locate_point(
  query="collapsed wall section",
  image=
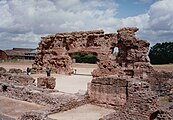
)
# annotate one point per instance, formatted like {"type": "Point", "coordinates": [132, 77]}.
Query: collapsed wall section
{"type": "Point", "coordinates": [134, 53]}
{"type": "Point", "coordinates": [132, 60]}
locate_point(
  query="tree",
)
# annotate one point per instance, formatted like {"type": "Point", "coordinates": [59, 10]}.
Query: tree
{"type": "Point", "coordinates": [84, 57]}
{"type": "Point", "coordinates": [161, 53]}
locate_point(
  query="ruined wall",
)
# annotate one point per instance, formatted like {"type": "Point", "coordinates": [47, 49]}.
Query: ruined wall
{"type": "Point", "coordinates": [141, 103]}
{"type": "Point", "coordinates": [161, 82]}
{"type": "Point", "coordinates": [54, 50]}
{"type": "Point", "coordinates": [133, 60]}
{"type": "Point", "coordinates": [134, 54]}
{"type": "Point", "coordinates": [110, 91]}
{"type": "Point", "coordinates": [16, 79]}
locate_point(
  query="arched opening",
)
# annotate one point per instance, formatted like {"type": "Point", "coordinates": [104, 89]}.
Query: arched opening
{"type": "Point", "coordinates": [84, 62]}
{"type": "Point", "coordinates": [84, 57]}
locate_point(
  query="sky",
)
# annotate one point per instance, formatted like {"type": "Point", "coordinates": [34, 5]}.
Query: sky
{"type": "Point", "coordinates": [23, 22]}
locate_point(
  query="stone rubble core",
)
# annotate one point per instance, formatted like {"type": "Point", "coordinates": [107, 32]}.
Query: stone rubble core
{"type": "Point", "coordinates": [141, 104]}
{"type": "Point", "coordinates": [46, 82]}
{"type": "Point", "coordinates": [110, 91]}
{"type": "Point", "coordinates": [54, 52]}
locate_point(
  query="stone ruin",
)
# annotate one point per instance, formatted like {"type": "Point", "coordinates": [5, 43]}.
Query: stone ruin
{"type": "Point", "coordinates": [124, 82]}
{"type": "Point", "coordinates": [54, 51]}
{"type": "Point", "coordinates": [22, 87]}
{"type": "Point", "coordinates": [119, 82]}
{"type": "Point", "coordinates": [127, 83]}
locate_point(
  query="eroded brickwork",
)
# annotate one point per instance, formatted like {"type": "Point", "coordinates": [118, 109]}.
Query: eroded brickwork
{"type": "Point", "coordinates": [110, 91]}
{"type": "Point", "coordinates": [54, 51]}
{"type": "Point", "coordinates": [46, 82]}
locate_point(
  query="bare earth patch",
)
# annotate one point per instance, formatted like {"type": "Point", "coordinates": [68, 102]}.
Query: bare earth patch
{"type": "Point", "coordinates": [14, 108]}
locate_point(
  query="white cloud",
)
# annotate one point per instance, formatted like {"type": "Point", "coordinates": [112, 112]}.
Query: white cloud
{"type": "Point", "coordinates": [140, 21]}
{"type": "Point", "coordinates": [24, 21]}
{"type": "Point", "coordinates": [160, 25]}
{"type": "Point", "coordinates": [156, 25]}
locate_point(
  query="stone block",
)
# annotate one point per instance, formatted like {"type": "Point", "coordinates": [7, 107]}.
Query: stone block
{"type": "Point", "coordinates": [108, 90]}
{"type": "Point", "coordinates": [46, 82]}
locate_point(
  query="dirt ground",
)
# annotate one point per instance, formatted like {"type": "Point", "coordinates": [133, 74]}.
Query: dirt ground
{"type": "Point", "coordinates": [14, 108]}
{"type": "Point", "coordinates": [24, 65]}
{"type": "Point", "coordinates": [85, 112]}
{"type": "Point", "coordinates": [21, 65]}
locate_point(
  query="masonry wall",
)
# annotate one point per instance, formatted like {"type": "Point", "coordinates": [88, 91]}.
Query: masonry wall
{"type": "Point", "coordinates": [110, 91]}
{"type": "Point", "coordinates": [54, 52]}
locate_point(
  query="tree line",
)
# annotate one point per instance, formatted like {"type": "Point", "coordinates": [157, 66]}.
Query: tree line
{"type": "Point", "coordinates": [161, 53]}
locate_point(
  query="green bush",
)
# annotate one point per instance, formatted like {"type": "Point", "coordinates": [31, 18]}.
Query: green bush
{"type": "Point", "coordinates": [85, 58]}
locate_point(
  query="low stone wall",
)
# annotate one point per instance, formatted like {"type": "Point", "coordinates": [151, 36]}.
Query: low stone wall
{"type": "Point", "coordinates": [17, 79]}
{"type": "Point", "coordinates": [108, 90]}
{"type": "Point", "coordinates": [46, 82]}
{"type": "Point", "coordinates": [34, 116]}
{"type": "Point", "coordinates": [140, 104]}
{"type": "Point", "coordinates": [54, 102]}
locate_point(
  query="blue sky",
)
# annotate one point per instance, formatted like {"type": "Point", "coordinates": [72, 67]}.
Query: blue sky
{"type": "Point", "coordinates": [23, 22]}
{"type": "Point", "coordinates": [127, 8]}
